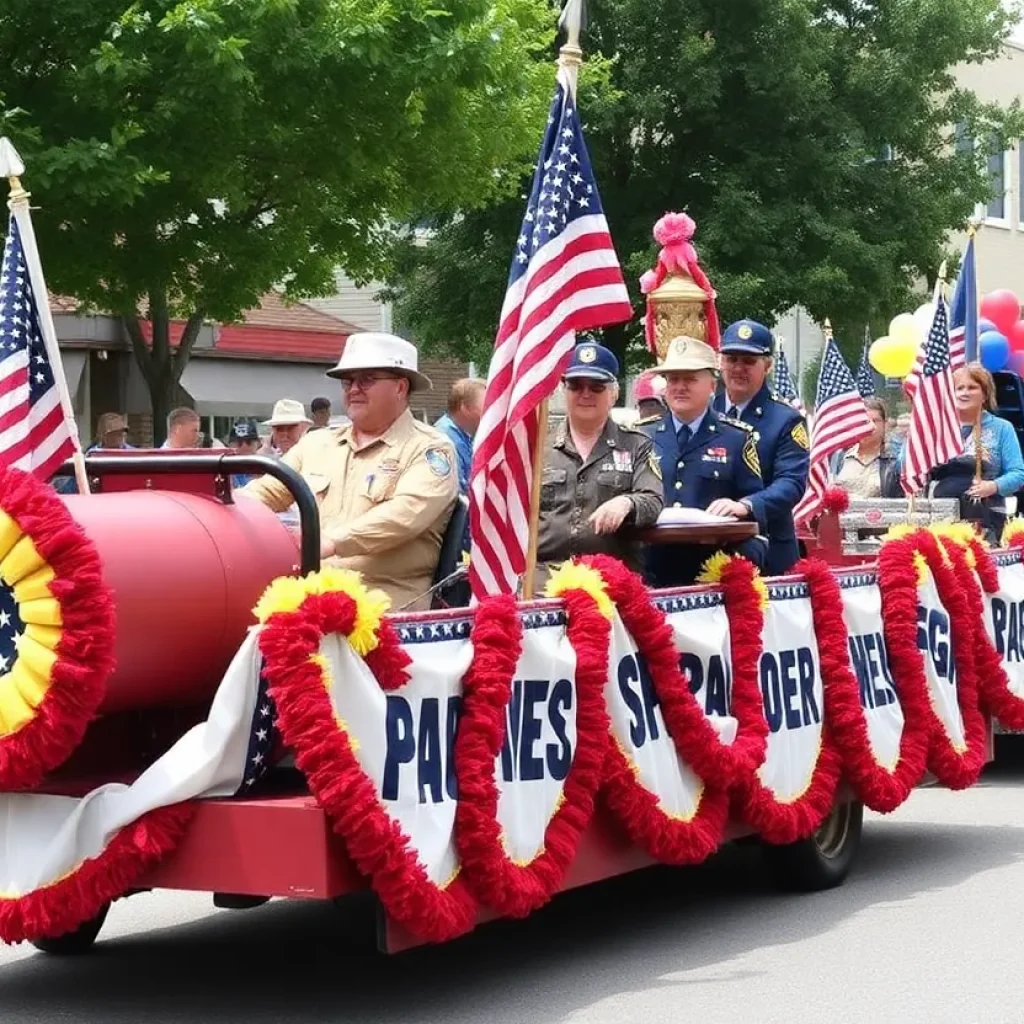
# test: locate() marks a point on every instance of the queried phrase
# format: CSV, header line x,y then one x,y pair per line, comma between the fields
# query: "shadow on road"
x,y
311,962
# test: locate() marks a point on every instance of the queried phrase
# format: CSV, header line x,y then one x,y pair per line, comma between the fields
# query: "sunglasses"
x,y
364,381
597,387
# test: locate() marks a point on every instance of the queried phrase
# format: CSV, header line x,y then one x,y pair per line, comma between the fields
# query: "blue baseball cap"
x,y
245,430
593,361
747,336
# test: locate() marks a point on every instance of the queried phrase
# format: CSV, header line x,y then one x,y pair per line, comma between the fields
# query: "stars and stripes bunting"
x,y
840,421
933,436
963,322
565,278
36,434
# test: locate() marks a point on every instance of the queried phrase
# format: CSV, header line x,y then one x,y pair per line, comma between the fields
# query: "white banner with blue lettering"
x,y
1004,620
935,640
792,691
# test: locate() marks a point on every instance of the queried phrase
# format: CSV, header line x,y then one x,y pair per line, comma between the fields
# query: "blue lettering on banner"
x,y
411,739
1006,624
530,701
716,677
787,688
637,691
871,666
933,640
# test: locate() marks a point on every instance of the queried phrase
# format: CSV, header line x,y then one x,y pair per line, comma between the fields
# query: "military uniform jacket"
x,y
571,490
719,461
783,449
385,505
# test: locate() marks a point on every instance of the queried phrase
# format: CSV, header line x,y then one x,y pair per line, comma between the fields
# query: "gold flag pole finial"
x,y
828,329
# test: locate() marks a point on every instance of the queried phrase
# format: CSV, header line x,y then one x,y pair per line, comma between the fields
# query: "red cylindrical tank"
x,y
186,571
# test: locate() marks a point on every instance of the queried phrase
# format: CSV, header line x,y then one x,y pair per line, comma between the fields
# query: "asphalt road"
x,y
928,928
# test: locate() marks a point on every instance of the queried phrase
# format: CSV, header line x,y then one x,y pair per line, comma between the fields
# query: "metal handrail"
x,y
201,464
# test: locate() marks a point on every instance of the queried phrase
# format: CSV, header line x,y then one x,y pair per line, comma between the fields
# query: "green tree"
x,y
185,157
811,140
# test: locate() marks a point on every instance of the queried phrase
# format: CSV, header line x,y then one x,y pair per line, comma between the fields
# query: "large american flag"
x,y
963,322
34,433
783,386
934,436
565,278
840,421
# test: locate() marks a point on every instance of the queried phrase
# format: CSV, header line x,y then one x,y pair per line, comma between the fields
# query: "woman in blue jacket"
x,y
982,498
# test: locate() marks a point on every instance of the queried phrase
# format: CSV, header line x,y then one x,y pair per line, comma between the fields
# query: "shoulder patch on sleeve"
x,y
438,460
750,459
799,434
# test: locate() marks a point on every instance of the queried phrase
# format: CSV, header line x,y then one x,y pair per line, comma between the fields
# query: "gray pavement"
x,y
929,928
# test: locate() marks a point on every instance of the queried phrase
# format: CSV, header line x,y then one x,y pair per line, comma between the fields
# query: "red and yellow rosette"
x,y
53,598
297,615
508,887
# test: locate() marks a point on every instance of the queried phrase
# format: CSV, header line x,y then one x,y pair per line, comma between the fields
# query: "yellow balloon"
x,y
892,357
904,328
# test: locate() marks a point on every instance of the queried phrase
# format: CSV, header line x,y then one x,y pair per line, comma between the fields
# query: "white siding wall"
x,y
359,306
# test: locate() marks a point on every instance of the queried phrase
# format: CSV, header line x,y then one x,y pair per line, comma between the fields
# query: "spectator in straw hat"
x,y
703,459
287,423
385,483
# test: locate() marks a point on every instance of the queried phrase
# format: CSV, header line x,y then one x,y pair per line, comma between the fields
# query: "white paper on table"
x,y
690,516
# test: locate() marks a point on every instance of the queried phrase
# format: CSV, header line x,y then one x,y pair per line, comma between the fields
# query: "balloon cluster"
x,y
1000,337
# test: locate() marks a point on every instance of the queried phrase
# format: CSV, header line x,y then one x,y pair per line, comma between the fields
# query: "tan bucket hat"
x,y
685,353
287,412
373,350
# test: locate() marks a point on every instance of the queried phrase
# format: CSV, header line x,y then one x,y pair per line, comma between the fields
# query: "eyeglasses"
x,y
597,387
364,381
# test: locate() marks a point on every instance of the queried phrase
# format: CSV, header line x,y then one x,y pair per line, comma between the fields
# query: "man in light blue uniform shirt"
x,y
465,405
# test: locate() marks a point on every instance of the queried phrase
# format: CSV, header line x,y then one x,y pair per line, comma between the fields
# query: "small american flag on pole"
x,y
783,386
36,433
565,278
933,437
840,421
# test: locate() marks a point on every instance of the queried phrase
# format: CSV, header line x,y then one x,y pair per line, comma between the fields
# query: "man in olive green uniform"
x,y
385,484
600,481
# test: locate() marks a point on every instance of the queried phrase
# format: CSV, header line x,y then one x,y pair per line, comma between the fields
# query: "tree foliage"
x,y
187,156
811,140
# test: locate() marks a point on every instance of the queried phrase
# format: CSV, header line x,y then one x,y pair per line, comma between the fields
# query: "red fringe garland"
x,y
85,652
324,754
718,764
58,909
876,786
509,888
898,581
994,691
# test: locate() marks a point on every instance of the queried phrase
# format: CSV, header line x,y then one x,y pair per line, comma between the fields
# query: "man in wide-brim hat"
x,y
704,457
385,483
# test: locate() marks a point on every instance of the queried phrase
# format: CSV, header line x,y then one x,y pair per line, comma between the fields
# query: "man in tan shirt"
x,y
385,484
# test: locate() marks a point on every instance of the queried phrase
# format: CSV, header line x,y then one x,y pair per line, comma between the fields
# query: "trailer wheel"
x,y
79,941
824,859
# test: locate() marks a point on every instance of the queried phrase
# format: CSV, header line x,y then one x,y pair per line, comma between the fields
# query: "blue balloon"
x,y
993,350
984,326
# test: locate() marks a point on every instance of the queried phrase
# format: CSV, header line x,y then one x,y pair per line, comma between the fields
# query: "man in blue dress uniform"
x,y
783,446
704,459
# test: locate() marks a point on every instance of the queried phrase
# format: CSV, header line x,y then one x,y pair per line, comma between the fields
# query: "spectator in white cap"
x,y
385,483
288,422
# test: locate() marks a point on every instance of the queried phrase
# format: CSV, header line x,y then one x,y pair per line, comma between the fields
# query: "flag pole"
x,y
570,57
12,167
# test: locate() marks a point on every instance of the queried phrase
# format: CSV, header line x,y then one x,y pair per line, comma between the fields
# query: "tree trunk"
x,y
160,368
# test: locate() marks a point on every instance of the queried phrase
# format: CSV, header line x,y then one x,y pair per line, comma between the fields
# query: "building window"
x,y
1020,183
996,207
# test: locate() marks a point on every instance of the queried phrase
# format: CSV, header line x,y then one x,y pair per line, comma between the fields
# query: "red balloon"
x,y
1002,307
1016,337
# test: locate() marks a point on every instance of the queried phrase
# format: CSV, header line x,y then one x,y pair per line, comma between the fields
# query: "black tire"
x,y
81,940
824,860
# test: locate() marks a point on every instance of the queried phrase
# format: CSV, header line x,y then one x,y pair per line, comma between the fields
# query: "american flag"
x,y
35,434
840,421
783,386
933,437
865,375
11,627
565,278
262,738
963,322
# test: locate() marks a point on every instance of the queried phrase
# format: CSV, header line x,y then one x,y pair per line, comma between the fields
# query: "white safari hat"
x,y
287,413
685,353
372,350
